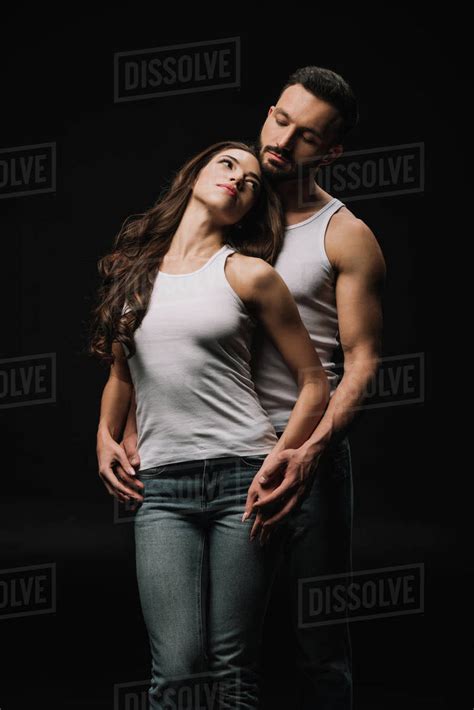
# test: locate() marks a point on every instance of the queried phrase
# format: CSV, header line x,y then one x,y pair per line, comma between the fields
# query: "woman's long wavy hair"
x,y
128,272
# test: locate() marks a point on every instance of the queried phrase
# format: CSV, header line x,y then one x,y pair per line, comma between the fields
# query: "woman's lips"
x,y
232,190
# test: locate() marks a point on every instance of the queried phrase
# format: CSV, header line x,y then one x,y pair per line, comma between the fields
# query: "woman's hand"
x,y
283,482
121,482
267,478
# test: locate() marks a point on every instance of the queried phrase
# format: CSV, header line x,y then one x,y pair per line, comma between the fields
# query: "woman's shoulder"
x,y
251,265
247,273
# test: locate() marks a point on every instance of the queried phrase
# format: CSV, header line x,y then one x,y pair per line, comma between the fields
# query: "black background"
x,y
112,159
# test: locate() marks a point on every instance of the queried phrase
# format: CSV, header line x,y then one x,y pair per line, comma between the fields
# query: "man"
x,y
334,267
335,270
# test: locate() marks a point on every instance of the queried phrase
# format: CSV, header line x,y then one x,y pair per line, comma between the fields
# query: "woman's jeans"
x,y
203,584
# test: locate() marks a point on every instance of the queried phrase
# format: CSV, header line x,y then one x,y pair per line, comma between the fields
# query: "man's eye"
x,y
308,140
281,123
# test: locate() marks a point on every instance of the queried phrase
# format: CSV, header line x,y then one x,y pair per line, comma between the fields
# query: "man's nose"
x,y
286,139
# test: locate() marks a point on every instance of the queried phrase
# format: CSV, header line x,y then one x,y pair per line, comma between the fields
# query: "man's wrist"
x,y
318,441
107,431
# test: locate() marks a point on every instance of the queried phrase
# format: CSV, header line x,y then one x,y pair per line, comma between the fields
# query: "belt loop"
x,y
203,490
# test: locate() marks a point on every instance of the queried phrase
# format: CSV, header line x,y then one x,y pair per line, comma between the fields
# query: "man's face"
x,y
297,134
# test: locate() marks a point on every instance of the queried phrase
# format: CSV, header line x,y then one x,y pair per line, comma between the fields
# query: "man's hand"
x,y
288,488
121,482
129,445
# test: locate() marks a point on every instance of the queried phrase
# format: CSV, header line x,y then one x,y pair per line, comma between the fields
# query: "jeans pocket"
x,y
153,472
253,461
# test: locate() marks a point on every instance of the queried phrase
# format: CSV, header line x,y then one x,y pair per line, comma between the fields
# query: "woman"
x,y
183,290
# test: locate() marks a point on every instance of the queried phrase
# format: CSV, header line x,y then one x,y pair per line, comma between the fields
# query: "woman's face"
x,y
229,185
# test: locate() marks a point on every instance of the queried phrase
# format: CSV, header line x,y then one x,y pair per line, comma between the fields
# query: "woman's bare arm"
x,y
266,294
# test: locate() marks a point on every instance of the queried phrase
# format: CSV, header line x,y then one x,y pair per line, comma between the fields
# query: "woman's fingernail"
x,y
262,479
245,516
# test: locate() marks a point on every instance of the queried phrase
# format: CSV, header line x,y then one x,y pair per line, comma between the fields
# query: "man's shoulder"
x,y
349,238
346,222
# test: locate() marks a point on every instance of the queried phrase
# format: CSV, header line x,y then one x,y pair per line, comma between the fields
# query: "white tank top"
x,y
191,371
304,266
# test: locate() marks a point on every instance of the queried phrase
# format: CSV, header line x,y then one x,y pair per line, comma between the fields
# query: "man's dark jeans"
x,y
313,659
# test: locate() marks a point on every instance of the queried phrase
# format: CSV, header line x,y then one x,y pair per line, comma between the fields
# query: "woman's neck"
x,y
197,236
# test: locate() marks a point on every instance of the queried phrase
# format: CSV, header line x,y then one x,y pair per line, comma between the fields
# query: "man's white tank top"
x,y
194,390
304,266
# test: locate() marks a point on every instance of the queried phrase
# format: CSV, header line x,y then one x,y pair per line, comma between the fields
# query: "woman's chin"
x,y
223,211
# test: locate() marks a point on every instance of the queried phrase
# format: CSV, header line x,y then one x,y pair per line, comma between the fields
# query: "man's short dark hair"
x,y
328,86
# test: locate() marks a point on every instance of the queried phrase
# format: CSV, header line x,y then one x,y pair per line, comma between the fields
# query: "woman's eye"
x,y
227,161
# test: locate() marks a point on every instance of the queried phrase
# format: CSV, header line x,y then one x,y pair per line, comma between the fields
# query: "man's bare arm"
x,y
360,267
131,423
130,434
116,396
114,467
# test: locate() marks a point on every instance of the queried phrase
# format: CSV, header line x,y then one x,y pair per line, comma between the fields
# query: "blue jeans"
x,y
203,585
317,666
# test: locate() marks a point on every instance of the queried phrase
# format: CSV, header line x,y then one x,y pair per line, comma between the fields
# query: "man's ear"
x,y
270,110
334,152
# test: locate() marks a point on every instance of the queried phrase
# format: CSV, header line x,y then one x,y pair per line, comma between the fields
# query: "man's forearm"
x,y
131,424
114,406
344,404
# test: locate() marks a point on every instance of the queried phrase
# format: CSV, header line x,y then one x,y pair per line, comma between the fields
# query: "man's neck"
x,y
300,201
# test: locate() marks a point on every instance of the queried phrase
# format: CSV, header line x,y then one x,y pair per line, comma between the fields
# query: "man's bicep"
x,y
359,288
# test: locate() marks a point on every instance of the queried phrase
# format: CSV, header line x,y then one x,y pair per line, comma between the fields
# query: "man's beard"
x,y
272,171
275,173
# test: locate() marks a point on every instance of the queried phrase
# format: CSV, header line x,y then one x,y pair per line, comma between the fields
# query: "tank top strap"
x,y
212,269
331,207
227,249
218,263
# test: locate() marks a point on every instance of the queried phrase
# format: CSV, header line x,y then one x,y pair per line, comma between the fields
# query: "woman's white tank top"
x,y
192,371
